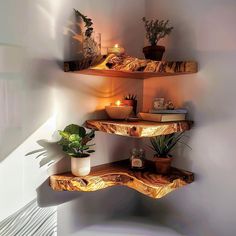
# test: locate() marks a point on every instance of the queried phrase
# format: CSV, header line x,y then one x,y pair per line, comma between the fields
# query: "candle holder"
x,y
116,50
118,111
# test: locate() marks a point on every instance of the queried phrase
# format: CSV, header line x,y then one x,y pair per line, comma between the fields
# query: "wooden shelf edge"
x,y
118,174
166,68
129,75
139,129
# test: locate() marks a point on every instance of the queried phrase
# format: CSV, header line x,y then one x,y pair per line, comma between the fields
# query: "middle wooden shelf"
x,y
138,129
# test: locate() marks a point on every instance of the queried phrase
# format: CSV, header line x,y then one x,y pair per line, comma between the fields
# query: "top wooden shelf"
x,y
130,67
130,75
138,129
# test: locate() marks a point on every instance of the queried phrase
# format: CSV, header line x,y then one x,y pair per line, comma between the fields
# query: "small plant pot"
x,y
154,52
80,166
163,165
132,103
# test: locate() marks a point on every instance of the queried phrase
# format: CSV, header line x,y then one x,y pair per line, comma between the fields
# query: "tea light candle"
x,y
116,50
118,110
118,103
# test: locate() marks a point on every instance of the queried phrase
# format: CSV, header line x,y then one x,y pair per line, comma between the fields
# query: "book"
x,y
175,111
161,117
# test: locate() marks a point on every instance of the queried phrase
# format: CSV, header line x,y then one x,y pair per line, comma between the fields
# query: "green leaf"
x,y
75,137
64,134
75,144
75,129
163,144
91,151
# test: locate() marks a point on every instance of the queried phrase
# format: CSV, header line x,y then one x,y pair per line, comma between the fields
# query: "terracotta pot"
x,y
80,166
163,164
154,52
132,103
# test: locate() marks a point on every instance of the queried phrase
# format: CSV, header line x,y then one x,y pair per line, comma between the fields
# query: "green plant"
x,y
156,29
88,23
130,97
163,144
75,140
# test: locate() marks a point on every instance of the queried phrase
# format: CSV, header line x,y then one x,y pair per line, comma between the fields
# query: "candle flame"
x,y
116,45
118,103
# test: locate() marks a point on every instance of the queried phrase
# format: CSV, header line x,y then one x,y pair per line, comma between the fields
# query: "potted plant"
x,y
131,100
155,30
74,142
163,145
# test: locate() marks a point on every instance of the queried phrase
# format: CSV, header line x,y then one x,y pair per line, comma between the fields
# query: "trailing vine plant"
x,y
87,21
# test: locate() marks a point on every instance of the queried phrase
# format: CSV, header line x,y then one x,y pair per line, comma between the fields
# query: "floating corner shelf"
x,y
98,66
138,129
119,174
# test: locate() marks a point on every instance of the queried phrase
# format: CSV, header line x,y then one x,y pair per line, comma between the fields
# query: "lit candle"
x,y
118,103
116,50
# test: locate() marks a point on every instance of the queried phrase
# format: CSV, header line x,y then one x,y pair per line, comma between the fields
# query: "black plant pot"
x,y
154,52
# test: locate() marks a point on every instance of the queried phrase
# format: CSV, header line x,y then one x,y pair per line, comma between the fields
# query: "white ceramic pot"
x,y
80,166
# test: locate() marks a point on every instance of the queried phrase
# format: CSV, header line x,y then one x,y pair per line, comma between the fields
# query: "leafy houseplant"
x,y
155,30
163,145
74,142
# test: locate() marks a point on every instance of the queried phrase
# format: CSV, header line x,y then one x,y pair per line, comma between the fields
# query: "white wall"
x,y
204,31
37,98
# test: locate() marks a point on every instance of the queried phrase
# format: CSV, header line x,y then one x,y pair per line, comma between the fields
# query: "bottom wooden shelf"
x,y
118,174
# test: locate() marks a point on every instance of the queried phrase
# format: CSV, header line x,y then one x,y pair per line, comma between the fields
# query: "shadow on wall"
x,y
96,207
50,153
73,38
165,213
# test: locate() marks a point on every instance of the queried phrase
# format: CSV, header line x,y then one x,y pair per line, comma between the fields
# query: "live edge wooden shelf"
x,y
130,75
138,129
146,182
164,68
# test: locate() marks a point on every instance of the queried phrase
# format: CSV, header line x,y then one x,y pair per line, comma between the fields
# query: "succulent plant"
x,y
130,97
163,144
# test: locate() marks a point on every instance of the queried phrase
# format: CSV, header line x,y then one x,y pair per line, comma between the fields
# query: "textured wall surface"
x,y
30,220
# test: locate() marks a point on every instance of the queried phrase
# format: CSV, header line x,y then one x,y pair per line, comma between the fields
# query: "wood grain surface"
x,y
147,182
138,129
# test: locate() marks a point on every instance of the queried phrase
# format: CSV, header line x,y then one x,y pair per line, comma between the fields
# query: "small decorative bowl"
x,y
118,112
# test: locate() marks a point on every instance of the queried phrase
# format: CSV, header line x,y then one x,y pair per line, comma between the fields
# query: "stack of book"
x,y
164,115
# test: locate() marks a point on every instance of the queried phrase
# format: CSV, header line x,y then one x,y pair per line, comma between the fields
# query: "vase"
x,y
80,166
92,45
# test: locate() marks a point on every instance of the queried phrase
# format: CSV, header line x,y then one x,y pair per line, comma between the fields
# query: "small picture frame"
x,y
159,103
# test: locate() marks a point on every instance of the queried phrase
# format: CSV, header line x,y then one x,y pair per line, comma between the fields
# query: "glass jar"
x,y
92,45
137,159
